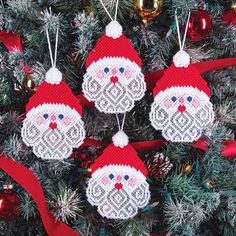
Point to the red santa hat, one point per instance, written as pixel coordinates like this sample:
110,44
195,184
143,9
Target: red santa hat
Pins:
54,91
181,77
126,156
113,44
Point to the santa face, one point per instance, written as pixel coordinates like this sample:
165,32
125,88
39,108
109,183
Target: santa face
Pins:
114,84
118,191
53,130
182,113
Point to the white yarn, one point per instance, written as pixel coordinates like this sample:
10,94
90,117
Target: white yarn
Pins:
181,59
53,76
120,139
114,29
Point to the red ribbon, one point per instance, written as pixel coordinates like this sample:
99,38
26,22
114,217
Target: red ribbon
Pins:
228,149
26,178
13,43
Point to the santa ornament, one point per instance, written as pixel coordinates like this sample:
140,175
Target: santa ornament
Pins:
118,185
181,109
53,124
113,80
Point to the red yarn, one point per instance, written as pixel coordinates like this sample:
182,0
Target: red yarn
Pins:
181,77
110,47
54,94
126,156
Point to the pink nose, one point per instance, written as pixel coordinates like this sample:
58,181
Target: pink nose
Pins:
53,117
118,186
114,71
181,100
114,79
53,125
118,178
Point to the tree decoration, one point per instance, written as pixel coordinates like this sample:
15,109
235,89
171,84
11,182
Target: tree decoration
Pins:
118,184
28,84
53,124
158,166
113,79
181,107
199,26
147,9
9,203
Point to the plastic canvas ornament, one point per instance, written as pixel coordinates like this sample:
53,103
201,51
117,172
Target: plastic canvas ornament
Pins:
53,124
118,185
181,109
114,80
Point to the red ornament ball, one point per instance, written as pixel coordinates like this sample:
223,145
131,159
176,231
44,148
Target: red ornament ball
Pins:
9,204
199,26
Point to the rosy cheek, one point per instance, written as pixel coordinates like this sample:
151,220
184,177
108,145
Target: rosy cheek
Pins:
128,74
132,182
66,121
40,120
105,180
167,103
100,74
196,103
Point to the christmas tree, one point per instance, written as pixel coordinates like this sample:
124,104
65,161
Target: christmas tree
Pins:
185,167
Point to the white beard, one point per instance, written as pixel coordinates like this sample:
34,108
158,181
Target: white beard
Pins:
52,144
122,203
117,204
184,126
114,98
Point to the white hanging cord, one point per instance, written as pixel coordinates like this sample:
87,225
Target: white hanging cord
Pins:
186,29
117,2
118,122
50,47
178,30
56,44
181,44
123,122
121,127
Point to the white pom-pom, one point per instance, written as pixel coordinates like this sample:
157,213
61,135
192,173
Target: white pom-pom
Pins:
53,76
114,29
181,59
120,139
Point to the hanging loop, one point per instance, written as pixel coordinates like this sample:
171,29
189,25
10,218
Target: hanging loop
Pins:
182,42
53,61
105,8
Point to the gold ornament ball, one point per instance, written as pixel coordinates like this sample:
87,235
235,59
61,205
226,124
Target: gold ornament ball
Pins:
28,84
147,9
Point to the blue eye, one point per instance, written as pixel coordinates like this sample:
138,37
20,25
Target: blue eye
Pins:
126,177
189,98
60,116
45,116
121,69
106,69
174,98
111,176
